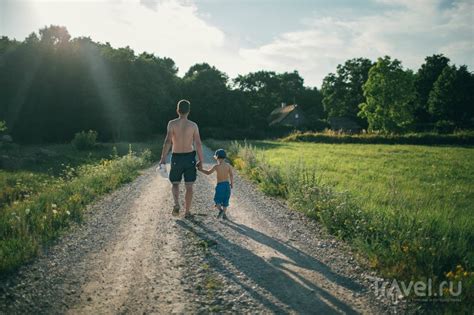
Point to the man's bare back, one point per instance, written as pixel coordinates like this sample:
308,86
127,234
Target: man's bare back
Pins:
183,139
183,134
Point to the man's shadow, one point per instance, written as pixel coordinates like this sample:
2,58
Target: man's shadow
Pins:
299,258
287,286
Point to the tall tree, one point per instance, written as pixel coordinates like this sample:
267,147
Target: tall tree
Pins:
424,81
389,93
265,90
451,98
206,87
342,92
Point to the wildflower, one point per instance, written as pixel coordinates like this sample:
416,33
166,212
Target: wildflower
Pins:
53,205
55,211
466,274
27,210
67,212
449,274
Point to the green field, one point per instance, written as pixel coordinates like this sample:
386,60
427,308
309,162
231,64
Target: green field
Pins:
407,209
429,181
43,189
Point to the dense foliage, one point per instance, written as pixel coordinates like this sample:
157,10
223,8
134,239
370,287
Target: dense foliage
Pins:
389,93
53,86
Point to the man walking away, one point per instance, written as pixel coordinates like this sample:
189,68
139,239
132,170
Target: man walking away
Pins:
184,140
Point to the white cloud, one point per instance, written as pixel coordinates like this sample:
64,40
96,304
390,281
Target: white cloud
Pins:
410,31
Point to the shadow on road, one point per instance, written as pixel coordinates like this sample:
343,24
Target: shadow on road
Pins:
285,285
299,258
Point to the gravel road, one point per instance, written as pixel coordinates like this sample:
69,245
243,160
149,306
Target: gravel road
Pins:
131,256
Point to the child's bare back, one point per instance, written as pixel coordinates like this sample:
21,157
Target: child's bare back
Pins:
223,171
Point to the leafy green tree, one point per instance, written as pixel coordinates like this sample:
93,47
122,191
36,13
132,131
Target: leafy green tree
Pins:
54,86
424,81
451,98
206,87
389,93
263,91
342,92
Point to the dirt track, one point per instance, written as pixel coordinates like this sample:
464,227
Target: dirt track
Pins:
132,256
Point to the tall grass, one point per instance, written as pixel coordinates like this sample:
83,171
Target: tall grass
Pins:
403,245
27,224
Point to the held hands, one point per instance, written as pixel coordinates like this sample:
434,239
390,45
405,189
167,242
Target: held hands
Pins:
199,165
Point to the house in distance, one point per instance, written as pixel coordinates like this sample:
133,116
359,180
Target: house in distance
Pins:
287,115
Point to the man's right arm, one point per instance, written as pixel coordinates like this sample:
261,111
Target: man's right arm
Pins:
198,145
166,145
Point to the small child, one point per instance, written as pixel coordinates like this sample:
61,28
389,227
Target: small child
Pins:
225,182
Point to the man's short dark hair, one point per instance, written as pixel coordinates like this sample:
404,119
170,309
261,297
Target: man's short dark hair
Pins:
184,106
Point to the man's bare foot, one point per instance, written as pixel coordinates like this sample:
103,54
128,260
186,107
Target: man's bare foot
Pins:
175,210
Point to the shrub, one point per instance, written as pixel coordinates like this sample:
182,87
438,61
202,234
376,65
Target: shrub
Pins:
85,140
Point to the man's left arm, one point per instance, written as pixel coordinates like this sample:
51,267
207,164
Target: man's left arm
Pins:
198,145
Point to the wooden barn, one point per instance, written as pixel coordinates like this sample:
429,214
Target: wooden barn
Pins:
287,115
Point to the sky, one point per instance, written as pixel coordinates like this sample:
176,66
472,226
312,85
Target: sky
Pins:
242,36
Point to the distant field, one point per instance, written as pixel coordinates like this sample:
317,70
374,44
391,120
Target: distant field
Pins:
417,179
428,180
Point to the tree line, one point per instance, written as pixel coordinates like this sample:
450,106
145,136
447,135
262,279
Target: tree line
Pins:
52,86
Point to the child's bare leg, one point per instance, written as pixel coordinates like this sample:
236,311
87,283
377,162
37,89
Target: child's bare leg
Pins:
219,207
224,216
188,196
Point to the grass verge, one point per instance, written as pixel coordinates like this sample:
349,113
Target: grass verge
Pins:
41,200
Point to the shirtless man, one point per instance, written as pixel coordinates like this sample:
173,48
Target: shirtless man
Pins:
183,137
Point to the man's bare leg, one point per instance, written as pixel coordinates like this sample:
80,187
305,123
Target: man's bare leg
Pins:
175,191
188,197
